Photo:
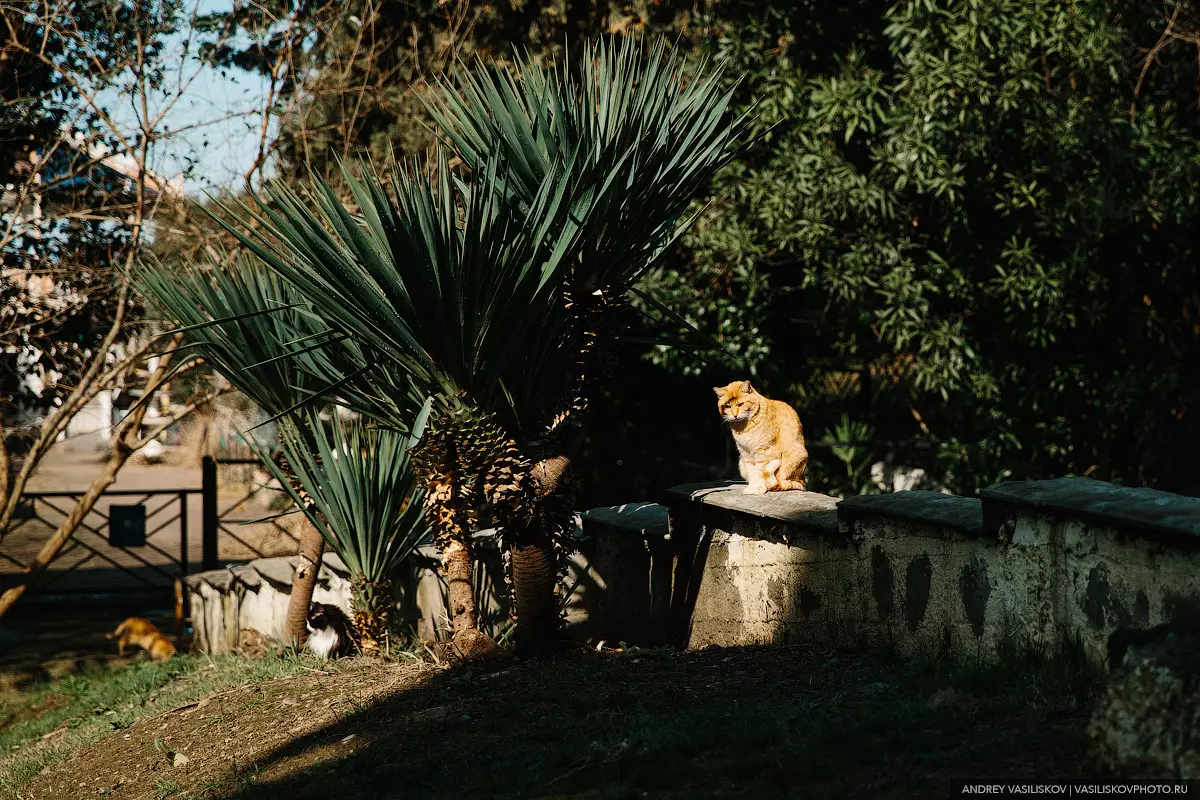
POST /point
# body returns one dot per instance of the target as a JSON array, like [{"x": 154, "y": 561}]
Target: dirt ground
[{"x": 768, "y": 722}]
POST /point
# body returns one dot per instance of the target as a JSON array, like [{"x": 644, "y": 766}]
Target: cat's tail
[{"x": 120, "y": 629}]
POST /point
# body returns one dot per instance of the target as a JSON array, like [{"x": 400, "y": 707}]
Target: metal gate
[{"x": 132, "y": 541}]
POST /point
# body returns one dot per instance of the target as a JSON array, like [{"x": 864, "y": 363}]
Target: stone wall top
[
  {"x": 278, "y": 570},
  {"x": 804, "y": 509},
  {"x": 645, "y": 519},
  {"x": 963, "y": 514},
  {"x": 1146, "y": 512}
]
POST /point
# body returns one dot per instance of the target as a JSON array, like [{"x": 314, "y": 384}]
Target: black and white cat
[{"x": 328, "y": 631}]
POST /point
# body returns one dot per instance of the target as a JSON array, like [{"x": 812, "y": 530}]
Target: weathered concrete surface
[
  {"x": 930, "y": 508},
  {"x": 1041, "y": 565},
  {"x": 894, "y": 573},
  {"x": 619, "y": 586},
  {"x": 254, "y": 596},
  {"x": 1160, "y": 516},
  {"x": 620, "y": 580},
  {"x": 772, "y": 568},
  {"x": 804, "y": 509},
  {"x": 695, "y": 491},
  {"x": 643, "y": 519},
  {"x": 1101, "y": 556},
  {"x": 1105, "y": 579},
  {"x": 1054, "y": 564},
  {"x": 1147, "y": 723}
]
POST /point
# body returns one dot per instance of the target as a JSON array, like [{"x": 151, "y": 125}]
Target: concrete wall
[
  {"x": 1031, "y": 564},
  {"x": 1036, "y": 564},
  {"x": 605, "y": 580}
]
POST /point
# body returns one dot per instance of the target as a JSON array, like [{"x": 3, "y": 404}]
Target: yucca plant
[
  {"x": 356, "y": 485},
  {"x": 501, "y": 293},
  {"x": 253, "y": 329},
  {"x": 642, "y": 138},
  {"x": 448, "y": 284}
]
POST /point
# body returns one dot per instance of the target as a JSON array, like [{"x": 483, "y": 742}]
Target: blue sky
[{"x": 225, "y": 142}]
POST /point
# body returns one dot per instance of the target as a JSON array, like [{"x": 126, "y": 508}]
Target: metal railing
[{"x": 133, "y": 540}]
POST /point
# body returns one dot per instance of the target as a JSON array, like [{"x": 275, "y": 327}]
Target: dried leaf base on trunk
[
  {"x": 372, "y": 606},
  {"x": 447, "y": 457},
  {"x": 535, "y": 584},
  {"x": 538, "y": 551}
]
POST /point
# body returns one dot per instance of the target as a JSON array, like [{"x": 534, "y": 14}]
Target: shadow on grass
[{"x": 739, "y": 722}]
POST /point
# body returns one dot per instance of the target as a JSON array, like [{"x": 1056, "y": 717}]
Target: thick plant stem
[
  {"x": 308, "y": 565},
  {"x": 458, "y": 564},
  {"x": 448, "y": 515},
  {"x": 535, "y": 579},
  {"x": 371, "y": 602},
  {"x": 539, "y": 543}
]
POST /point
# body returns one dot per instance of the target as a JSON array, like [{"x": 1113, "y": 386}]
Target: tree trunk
[
  {"x": 448, "y": 517},
  {"x": 458, "y": 565},
  {"x": 539, "y": 544},
  {"x": 534, "y": 566},
  {"x": 308, "y": 565}
]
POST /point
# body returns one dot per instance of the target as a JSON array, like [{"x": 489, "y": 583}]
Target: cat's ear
[
  {"x": 719, "y": 390},
  {"x": 747, "y": 388}
]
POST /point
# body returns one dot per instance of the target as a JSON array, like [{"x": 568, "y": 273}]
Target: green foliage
[
  {"x": 461, "y": 284},
  {"x": 254, "y": 329},
  {"x": 362, "y": 495},
  {"x": 959, "y": 226},
  {"x": 959, "y": 208},
  {"x": 452, "y": 304},
  {"x": 852, "y": 442},
  {"x": 633, "y": 139}
]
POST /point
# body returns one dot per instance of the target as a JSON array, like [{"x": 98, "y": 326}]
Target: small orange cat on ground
[
  {"x": 769, "y": 437},
  {"x": 140, "y": 632}
]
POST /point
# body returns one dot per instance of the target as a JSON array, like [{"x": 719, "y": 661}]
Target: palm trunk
[
  {"x": 458, "y": 565},
  {"x": 448, "y": 516},
  {"x": 452, "y": 451},
  {"x": 308, "y": 566},
  {"x": 540, "y": 542},
  {"x": 534, "y": 566}
]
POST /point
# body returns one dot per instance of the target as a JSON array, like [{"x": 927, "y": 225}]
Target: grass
[
  {"x": 740, "y": 722},
  {"x": 45, "y": 725}
]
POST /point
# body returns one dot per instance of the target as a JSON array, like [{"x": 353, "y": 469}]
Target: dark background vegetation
[{"x": 966, "y": 241}]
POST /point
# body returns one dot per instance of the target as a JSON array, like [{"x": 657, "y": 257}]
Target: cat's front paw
[{"x": 754, "y": 490}]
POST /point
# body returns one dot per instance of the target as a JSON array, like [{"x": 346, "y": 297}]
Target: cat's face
[
  {"x": 738, "y": 401},
  {"x": 317, "y": 617}
]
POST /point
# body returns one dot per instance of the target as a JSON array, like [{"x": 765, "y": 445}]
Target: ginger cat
[
  {"x": 140, "y": 632},
  {"x": 769, "y": 438}
]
